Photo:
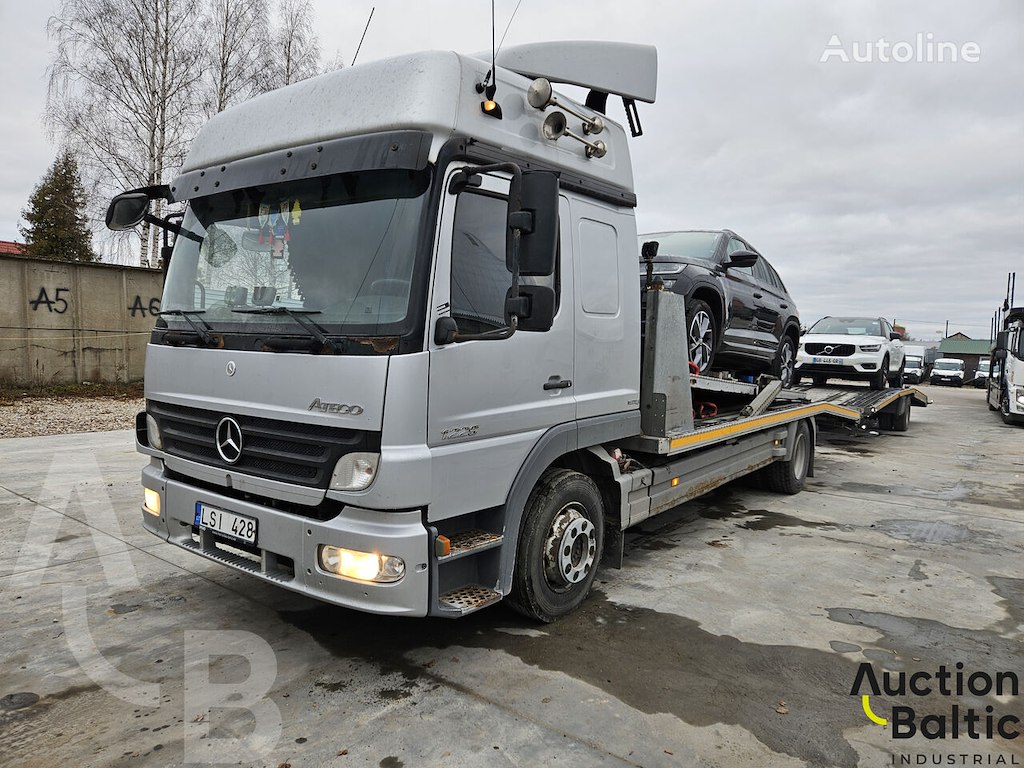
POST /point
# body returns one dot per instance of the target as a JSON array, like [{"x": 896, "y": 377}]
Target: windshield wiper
[
  {"x": 298, "y": 315},
  {"x": 201, "y": 332}
]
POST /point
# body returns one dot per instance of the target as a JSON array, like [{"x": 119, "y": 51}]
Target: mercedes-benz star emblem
[
  {"x": 229, "y": 369},
  {"x": 229, "y": 440}
]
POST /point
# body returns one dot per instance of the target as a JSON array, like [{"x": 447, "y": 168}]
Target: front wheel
[
  {"x": 783, "y": 366},
  {"x": 898, "y": 379},
  {"x": 880, "y": 379},
  {"x": 789, "y": 476},
  {"x": 702, "y": 334},
  {"x": 560, "y": 545},
  {"x": 1004, "y": 407}
]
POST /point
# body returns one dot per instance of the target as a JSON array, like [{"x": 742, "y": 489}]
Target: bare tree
[
  {"x": 295, "y": 48},
  {"x": 123, "y": 90},
  {"x": 237, "y": 51}
]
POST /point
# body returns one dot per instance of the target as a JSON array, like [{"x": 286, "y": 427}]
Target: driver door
[{"x": 489, "y": 402}]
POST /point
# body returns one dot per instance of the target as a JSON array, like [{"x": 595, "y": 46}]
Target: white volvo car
[{"x": 858, "y": 348}]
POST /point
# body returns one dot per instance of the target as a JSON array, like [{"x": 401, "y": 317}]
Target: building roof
[
  {"x": 7, "y": 246},
  {"x": 961, "y": 346}
]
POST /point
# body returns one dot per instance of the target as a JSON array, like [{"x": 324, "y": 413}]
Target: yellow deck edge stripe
[{"x": 763, "y": 421}]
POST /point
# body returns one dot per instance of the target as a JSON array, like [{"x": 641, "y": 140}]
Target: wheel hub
[{"x": 570, "y": 547}]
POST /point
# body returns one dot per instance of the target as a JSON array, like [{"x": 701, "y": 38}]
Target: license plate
[
  {"x": 827, "y": 360},
  {"x": 226, "y": 523}
]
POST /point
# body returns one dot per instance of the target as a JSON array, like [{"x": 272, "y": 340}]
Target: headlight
[
  {"x": 870, "y": 347},
  {"x": 151, "y": 501},
  {"x": 153, "y": 433},
  {"x": 361, "y": 566},
  {"x": 355, "y": 471}
]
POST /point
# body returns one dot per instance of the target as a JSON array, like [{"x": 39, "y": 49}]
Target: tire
[
  {"x": 819, "y": 381},
  {"x": 1004, "y": 407},
  {"x": 783, "y": 366},
  {"x": 897, "y": 380},
  {"x": 560, "y": 546},
  {"x": 881, "y": 378},
  {"x": 901, "y": 421},
  {"x": 701, "y": 334},
  {"x": 789, "y": 476}
]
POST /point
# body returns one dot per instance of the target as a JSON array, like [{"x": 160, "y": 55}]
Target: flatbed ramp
[{"x": 852, "y": 405}]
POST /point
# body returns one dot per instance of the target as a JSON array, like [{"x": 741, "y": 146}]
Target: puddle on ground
[
  {"x": 916, "y": 573},
  {"x": 926, "y": 531},
  {"x": 1012, "y": 593},
  {"x": 654, "y": 662}
]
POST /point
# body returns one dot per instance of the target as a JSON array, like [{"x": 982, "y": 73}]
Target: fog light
[
  {"x": 361, "y": 566},
  {"x": 870, "y": 366},
  {"x": 1020, "y": 397},
  {"x": 355, "y": 471},
  {"x": 152, "y": 501},
  {"x": 153, "y": 433}
]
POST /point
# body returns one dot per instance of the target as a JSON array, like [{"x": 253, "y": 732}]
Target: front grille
[
  {"x": 303, "y": 454},
  {"x": 836, "y": 350}
]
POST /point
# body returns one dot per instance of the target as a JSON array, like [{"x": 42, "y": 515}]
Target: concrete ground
[{"x": 732, "y": 636}]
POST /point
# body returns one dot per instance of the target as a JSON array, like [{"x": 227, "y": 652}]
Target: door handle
[
  {"x": 758, "y": 295},
  {"x": 557, "y": 382}
]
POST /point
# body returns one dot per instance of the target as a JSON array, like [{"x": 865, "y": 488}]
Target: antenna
[
  {"x": 505, "y": 33},
  {"x": 359, "y": 47},
  {"x": 489, "y": 87}
]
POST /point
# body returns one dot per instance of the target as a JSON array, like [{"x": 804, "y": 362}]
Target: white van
[{"x": 948, "y": 370}]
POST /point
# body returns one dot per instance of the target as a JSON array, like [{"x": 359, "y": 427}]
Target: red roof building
[{"x": 9, "y": 247}]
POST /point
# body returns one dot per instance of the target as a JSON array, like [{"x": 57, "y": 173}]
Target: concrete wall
[{"x": 67, "y": 322}]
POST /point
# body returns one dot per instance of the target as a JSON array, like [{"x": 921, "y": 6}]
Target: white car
[
  {"x": 981, "y": 375},
  {"x": 858, "y": 348}
]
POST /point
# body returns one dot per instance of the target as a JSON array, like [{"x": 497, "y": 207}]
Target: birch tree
[
  {"x": 294, "y": 46},
  {"x": 123, "y": 91},
  {"x": 237, "y": 51}
]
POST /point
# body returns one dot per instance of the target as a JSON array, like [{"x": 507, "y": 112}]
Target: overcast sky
[{"x": 877, "y": 188}]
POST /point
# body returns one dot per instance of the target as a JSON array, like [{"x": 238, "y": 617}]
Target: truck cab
[{"x": 1005, "y": 392}]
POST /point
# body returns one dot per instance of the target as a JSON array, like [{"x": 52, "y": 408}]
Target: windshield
[
  {"x": 913, "y": 362},
  {"x": 850, "y": 326},
  {"x": 983, "y": 366},
  {"x": 341, "y": 248},
  {"x": 949, "y": 365},
  {"x": 696, "y": 245}
]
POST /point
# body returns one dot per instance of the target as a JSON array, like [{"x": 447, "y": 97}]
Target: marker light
[
  {"x": 152, "y": 501},
  {"x": 491, "y": 108},
  {"x": 361, "y": 566},
  {"x": 355, "y": 471}
]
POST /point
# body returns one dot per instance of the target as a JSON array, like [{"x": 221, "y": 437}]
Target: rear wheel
[
  {"x": 701, "y": 333},
  {"x": 789, "y": 476},
  {"x": 560, "y": 545},
  {"x": 880, "y": 379},
  {"x": 785, "y": 360}
]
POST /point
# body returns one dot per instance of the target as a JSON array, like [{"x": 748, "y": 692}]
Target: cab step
[
  {"x": 469, "y": 542},
  {"x": 469, "y": 598}
]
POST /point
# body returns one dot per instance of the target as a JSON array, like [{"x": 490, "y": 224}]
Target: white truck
[
  {"x": 914, "y": 369},
  {"x": 400, "y": 366},
  {"x": 1006, "y": 377}
]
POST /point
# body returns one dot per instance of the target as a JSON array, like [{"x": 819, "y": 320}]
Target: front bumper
[
  {"x": 859, "y": 365},
  {"x": 953, "y": 381},
  {"x": 287, "y": 545}
]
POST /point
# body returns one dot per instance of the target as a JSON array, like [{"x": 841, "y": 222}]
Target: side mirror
[
  {"x": 126, "y": 210},
  {"x": 537, "y": 221},
  {"x": 999, "y": 355},
  {"x": 741, "y": 258},
  {"x": 1002, "y": 340},
  {"x": 895, "y": 336},
  {"x": 534, "y": 306}
]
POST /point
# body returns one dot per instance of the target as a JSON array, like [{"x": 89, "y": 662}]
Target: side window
[
  {"x": 480, "y": 281},
  {"x": 738, "y": 245},
  {"x": 776, "y": 279},
  {"x": 762, "y": 273},
  {"x": 479, "y": 278}
]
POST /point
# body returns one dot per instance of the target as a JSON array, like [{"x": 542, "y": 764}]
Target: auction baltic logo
[
  {"x": 923, "y": 50},
  {"x": 959, "y": 721}
]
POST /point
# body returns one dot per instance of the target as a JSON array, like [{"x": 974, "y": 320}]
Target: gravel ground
[{"x": 35, "y": 416}]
